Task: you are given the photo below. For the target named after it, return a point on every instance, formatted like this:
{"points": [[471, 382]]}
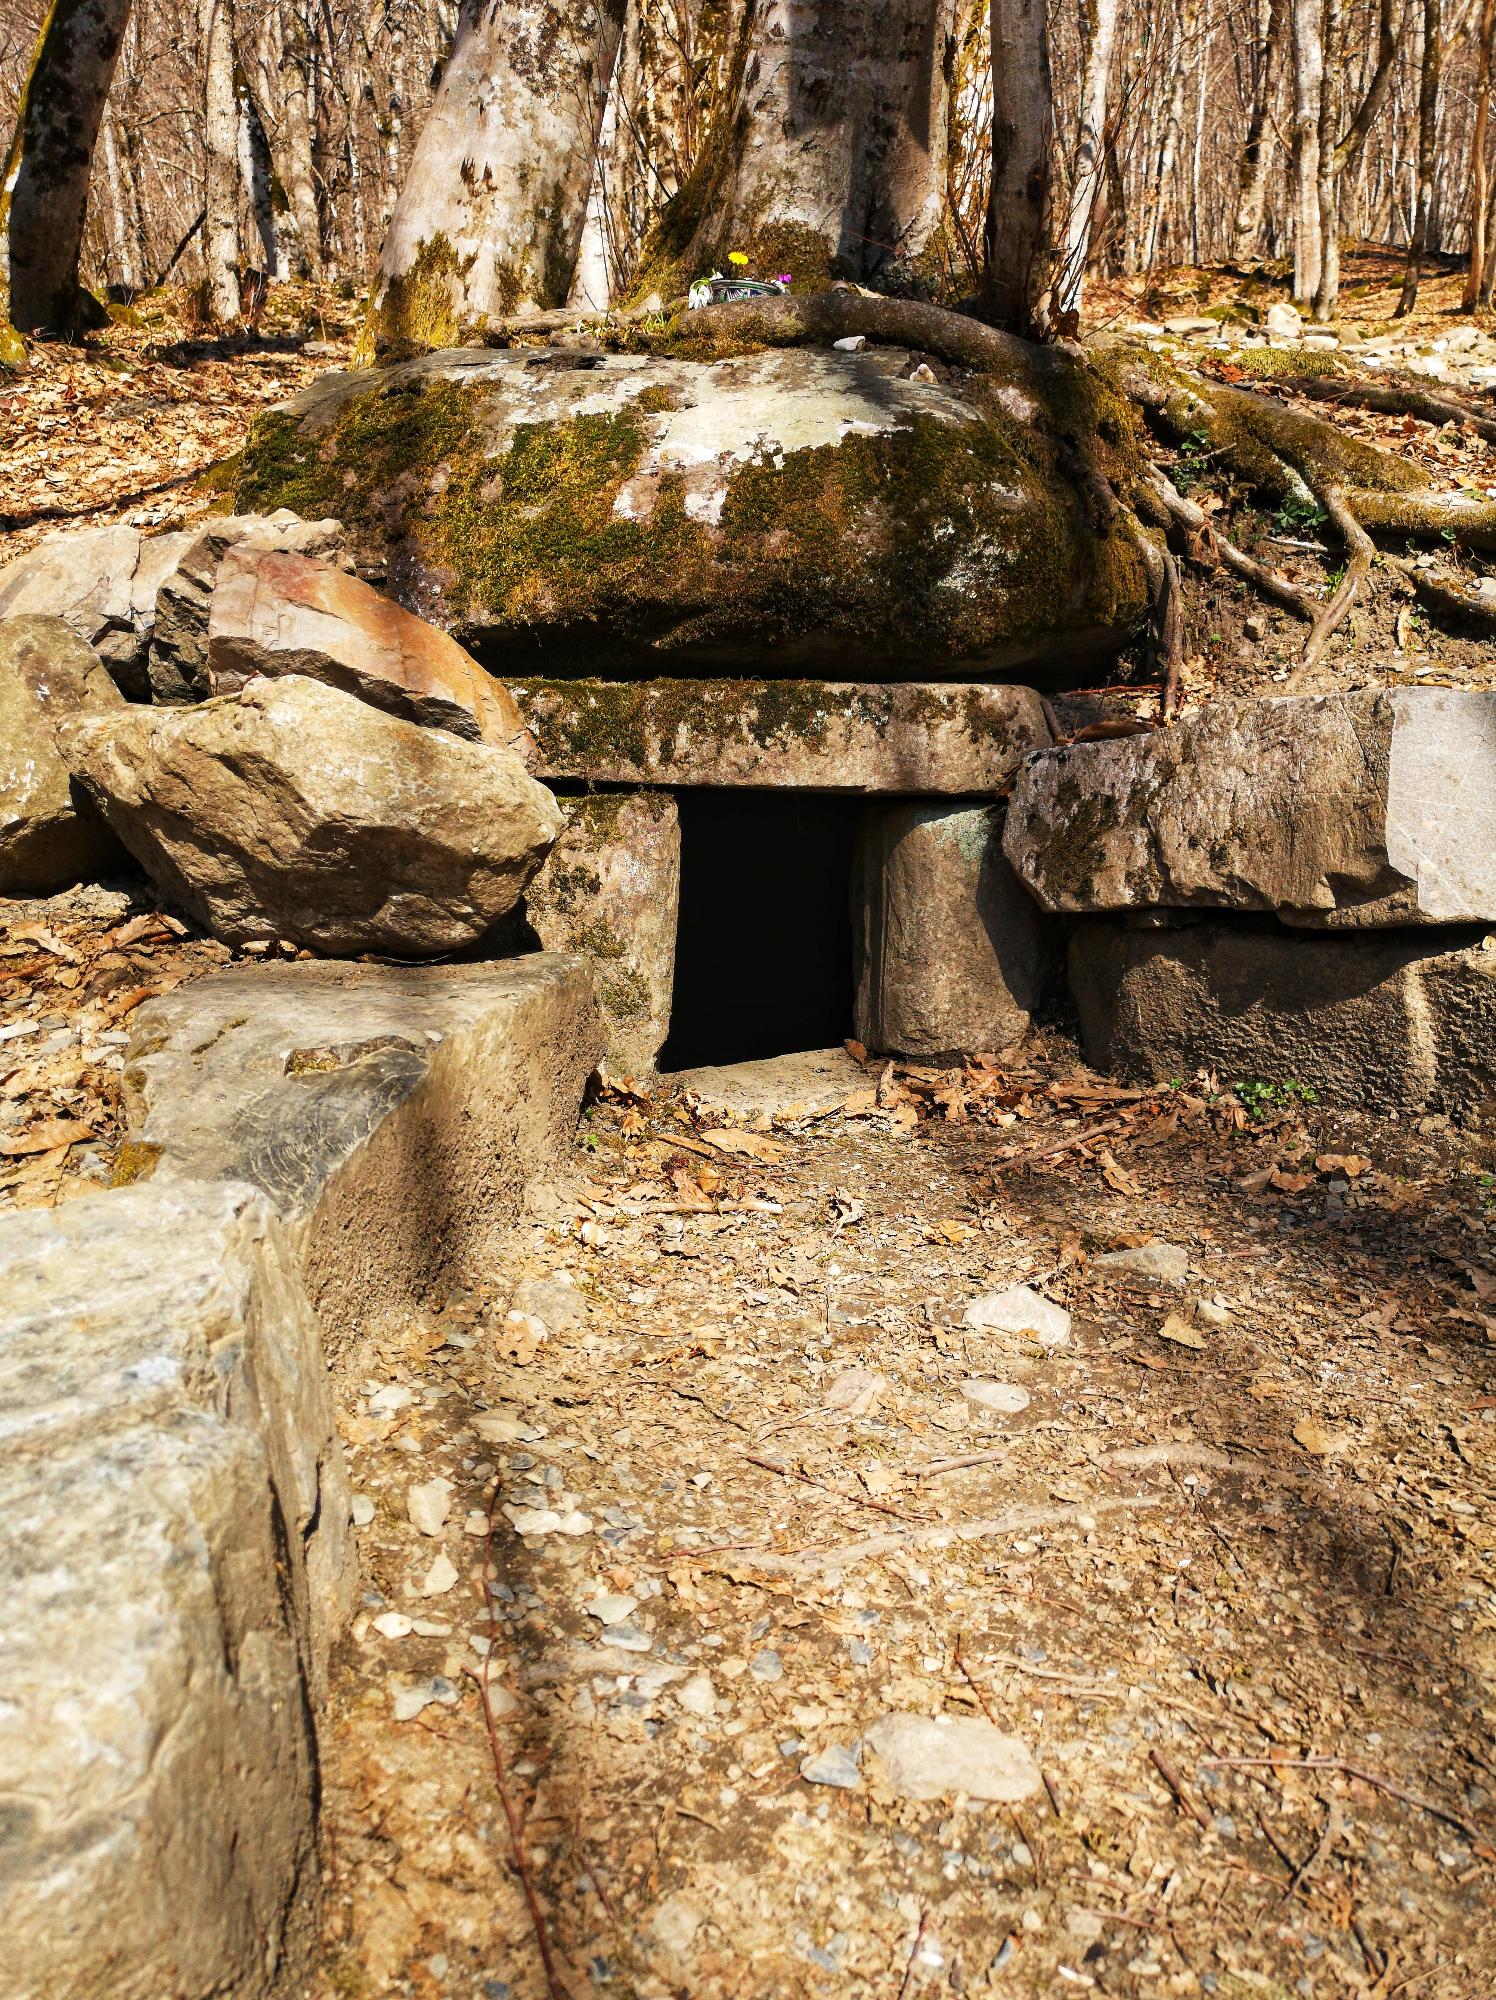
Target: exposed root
{"points": [[1395, 397], [1426, 516], [1168, 613], [1361, 557], [1210, 549], [1446, 594]]}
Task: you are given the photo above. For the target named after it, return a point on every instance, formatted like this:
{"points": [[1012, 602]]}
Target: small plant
{"points": [[1297, 512], [1257, 1097]]}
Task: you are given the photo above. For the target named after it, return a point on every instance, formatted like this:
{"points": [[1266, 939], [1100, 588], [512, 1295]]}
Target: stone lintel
{"points": [[900, 739]]}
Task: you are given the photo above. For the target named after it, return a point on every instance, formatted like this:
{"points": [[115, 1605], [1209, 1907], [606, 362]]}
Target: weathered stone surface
{"points": [[610, 889], [50, 837], [956, 739], [949, 953], [1342, 812], [103, 582], [935, 1757], [792, 1086], [1398, 1022], [796, 506], [279, 613], [392, 1114], [178, 659], [296, 811], [174, 1545]]}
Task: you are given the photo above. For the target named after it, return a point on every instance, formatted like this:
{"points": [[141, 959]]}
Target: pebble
{"points": [[835, 1766], [393, 1624], [851, 343], [395, 1396], [410, 1701], [766, 1666], [363, 1510], [441, 1576], [546, 1521], [1022, 1310], [496, 1429], [697, 1696], [1005, 1397], [1164, 1263], [611, 1609], [429, 1505], [932, 1758], [630, 1638]]}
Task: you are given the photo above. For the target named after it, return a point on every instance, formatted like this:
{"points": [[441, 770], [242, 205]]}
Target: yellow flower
{"points": [[736, 257]]}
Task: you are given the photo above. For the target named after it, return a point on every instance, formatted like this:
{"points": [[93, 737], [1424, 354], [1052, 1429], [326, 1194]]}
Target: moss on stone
{"points": [[136, 1161], [418, 309]]}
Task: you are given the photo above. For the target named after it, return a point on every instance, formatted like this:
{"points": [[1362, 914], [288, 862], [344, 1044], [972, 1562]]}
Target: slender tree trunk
{"points": [[1308, 93], [1087, 188], [1327, 291], [1480, 172], [1428, 124], [298, 118], [1021, 246], [1251, 185], [258, 176], [221, 162], [490, 217], [1168, 150], [126, 249], [44, 187]]}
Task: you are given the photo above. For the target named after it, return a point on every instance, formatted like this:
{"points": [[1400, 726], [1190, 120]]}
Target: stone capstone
{"points": [[1340, 812], [899, 738], [279, 613], [392, 1115], [50, 835], [1398, 1022], [295, 811], [101, 581], [178, 658], [949, 954], [610, 889], [798, 505], [174, 1545]]}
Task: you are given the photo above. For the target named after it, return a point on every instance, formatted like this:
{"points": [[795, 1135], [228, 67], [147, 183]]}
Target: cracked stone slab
{"points": [[174, 1546], [392, 1114], [935, 739], [1338, 812]]}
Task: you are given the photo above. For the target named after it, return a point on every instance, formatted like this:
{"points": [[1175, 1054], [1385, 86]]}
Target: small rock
{"points": [[393, 1624], [411, 1700], [611, 1609], [1211, 1314], [394, 1396], [363, 1510], [766, 1666], [441, 1576], [1163, 1263], [852, 343], [1255, 629], [1283, 321], [1021, 1310], [558, 1305], [674, 1924], [547, 1521], [1005, 1397], [630, 1638], [429, 1505], [697, 1696], [932, 1758], [496, 1429], [835, 1766]]}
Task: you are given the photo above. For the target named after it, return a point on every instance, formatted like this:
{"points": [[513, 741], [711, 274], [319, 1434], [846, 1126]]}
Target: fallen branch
{"points": [[1395, 397], [1441, 594]]}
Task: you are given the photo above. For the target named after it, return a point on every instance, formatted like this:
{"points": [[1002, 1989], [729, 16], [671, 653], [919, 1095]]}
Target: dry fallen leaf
{"points": [[1117, 1176], [1178, 1329], [1349, 1164], [43, 1138], [1314, 1437], [751, 1146]]}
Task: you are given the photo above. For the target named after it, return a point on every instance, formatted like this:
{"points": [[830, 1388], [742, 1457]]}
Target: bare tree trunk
{"points": [[1308, 93], [258, 176], [1168, 149], [221, 162], [491, 214], [44, 187], [1428, 122], [297, 169], [1090, 157], [126, 248], [1021, 246], [1251, 187], [1327, 291], [1480, 172]]}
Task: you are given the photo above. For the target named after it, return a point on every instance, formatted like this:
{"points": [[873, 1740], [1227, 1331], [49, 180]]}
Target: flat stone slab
{"points": [[910, 739], [935, 1757], [393, 1115], [1396, 1022], [175, 1553], [1341, 812], [807, 1084]]}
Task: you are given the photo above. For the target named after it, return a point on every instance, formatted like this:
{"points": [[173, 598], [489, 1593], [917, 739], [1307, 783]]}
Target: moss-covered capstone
{"points": [[789, 508]]}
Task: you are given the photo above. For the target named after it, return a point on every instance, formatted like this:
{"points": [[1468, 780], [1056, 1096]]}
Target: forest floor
{"points": [[761, 1496]]}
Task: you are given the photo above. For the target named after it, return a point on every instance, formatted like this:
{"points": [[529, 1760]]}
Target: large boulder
{"points": [[949, 953], [295, 811], [174, 1544], [791, 508], [1387, 1022], [178, 658], [103, 581], [278, 613], [1342, 812], [910, 739], [610, 889], [50, 836]]}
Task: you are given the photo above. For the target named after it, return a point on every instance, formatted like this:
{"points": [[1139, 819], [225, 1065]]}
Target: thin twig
{"points": [[1182, 1798], [1372, 1778], [919, 1938], [967, 1458], [856, 1499]]}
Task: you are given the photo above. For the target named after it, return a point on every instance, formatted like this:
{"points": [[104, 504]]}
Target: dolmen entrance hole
{"points": [[764, 951]]}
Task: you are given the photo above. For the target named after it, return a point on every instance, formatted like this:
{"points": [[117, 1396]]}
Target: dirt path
{"points": [[1266, 1535]]}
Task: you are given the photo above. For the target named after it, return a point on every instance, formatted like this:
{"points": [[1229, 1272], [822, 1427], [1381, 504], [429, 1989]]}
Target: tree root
{"points": [[1211, 550], [1358, 568], [1393, 397], [1168, 611], [1442, 593]]}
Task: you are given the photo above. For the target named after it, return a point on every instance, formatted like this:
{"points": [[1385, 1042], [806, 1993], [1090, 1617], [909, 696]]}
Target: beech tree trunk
{"points": [[1308, 93], [1251, 188], [490, 218], [1021, 245], [1428, 124], [1090, 157], [258, 176], [297, 159], [1480, 173], [44, 189], [221, 141], [827, 155]]}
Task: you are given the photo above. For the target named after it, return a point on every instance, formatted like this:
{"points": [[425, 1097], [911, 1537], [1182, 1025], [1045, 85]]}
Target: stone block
{"points": [[942, 739], [393, 1115], [50, 836], [103, 582], [1399, 1022], [949, 952], [174, 1544], [1341, 812], [610, 889]]}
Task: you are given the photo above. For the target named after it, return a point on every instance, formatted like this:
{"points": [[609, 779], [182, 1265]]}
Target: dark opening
{"points": [[764, 958]]}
